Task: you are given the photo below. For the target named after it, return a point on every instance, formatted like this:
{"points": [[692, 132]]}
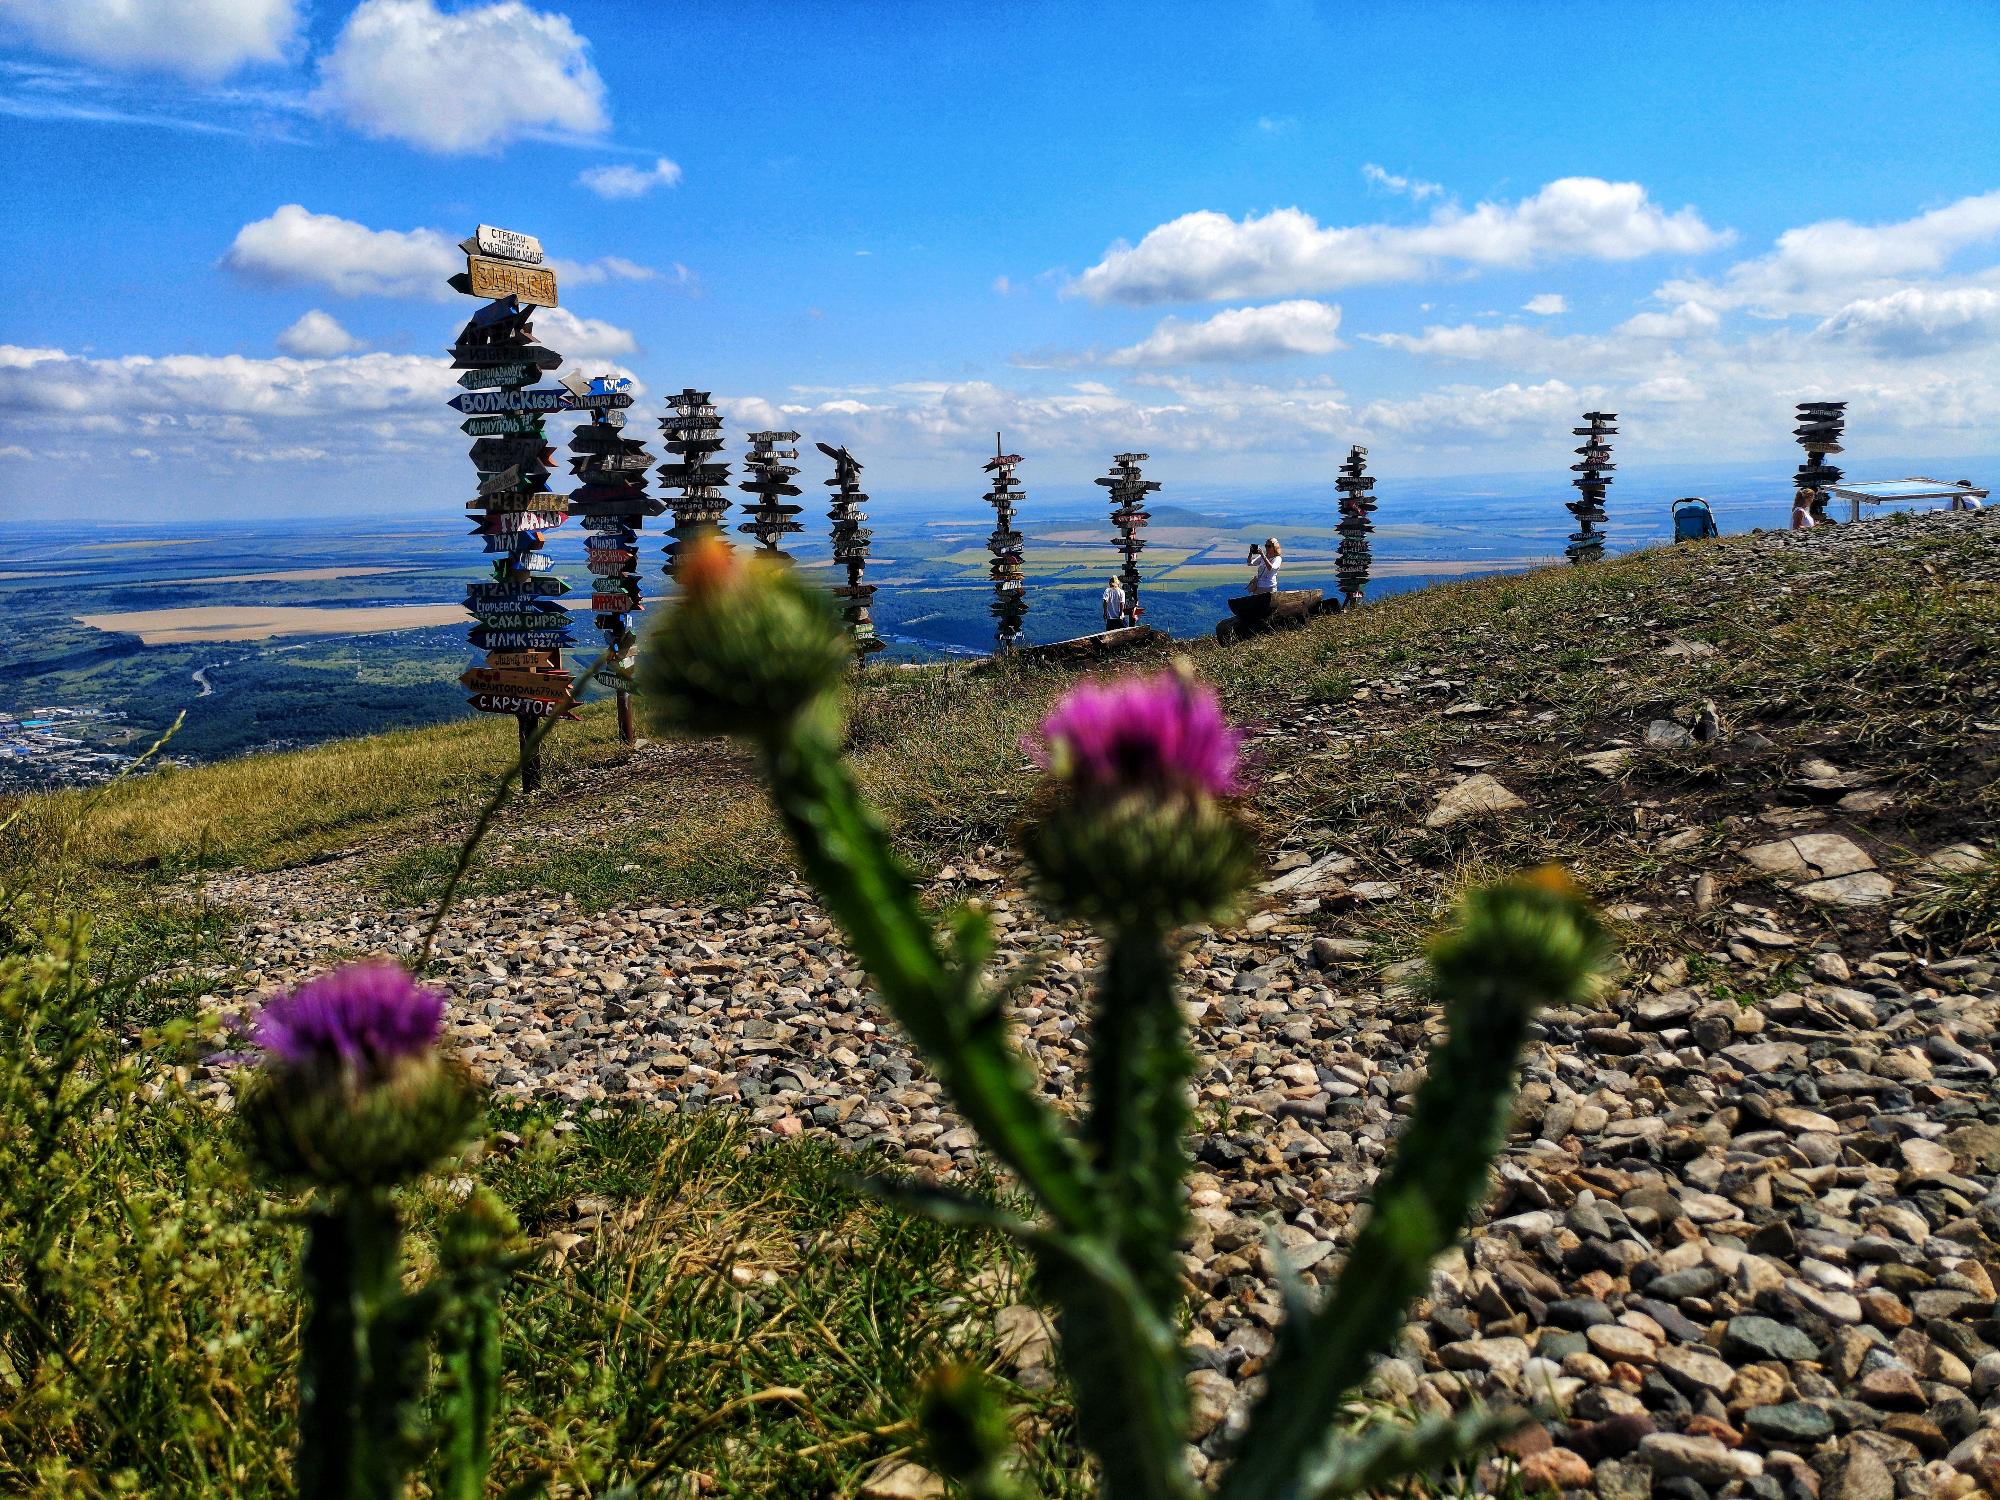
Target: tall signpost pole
{"points": [[1354, 557], [610, 472], [1821, 425], [693, 432], [848, 525], [1129, 489], [767, 476], [1593, 477], [519, 624], [1010, 601]]}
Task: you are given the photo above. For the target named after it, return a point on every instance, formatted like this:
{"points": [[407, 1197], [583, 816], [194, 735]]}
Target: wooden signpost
{"points": [[610, 472], [1821, 425], [693, 433], [768, 480], [1586, 543], [1354, 558], [1129, 489], [1010, 600], [517, 621], [850, 548]]}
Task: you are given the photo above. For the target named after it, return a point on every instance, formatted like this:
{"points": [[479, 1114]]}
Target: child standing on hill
{"points": [[1265, 562]]}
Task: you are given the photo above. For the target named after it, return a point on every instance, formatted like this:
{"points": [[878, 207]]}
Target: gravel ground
{"points": [[1743, 1248]]}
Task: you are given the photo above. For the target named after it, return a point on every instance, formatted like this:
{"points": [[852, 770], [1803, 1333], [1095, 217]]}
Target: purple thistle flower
{"points": [[367, 1015], [1158, 734]]}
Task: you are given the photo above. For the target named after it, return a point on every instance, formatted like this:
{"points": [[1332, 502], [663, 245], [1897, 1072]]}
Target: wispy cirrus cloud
{"points": [[620, 180]]}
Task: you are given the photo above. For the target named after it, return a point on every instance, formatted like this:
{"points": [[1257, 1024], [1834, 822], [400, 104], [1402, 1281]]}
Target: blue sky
{"points": [[1240, 237]]}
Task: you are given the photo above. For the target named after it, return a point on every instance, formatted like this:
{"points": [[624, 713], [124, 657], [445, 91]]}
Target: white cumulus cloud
{"points": [[1546, 304], [1688, 320], [625, 181], [582, 340], [202, 39], [465, 81], [1817, 268], [318, 335], [1238, 334], [1206, 256], [296, 247], [1920, 320]]}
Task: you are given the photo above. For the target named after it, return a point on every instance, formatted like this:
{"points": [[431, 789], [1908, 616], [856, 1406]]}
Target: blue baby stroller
{"points": [[1693, 520]]}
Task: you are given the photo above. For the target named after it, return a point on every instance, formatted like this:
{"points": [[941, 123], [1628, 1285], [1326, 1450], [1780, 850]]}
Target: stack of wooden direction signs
{"points": [[693, 433], [1821, 425], [521, 625], [850, 548], [1129, 489], [1010, 601], [768, 479], [609, 471], [1357, 503], [1586, 543]]}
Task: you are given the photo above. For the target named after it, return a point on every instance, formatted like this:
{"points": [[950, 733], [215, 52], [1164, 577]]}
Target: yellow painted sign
{"points": [[508, 278]]}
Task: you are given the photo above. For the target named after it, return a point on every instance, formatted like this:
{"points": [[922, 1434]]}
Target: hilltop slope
{"points": [[1750, 1206]]}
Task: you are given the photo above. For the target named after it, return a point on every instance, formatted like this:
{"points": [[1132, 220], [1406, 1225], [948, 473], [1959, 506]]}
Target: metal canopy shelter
{"points": [[1914, 490]]}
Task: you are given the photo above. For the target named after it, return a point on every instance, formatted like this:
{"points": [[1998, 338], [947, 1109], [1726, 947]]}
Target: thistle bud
{"points": [[1134, 831], [747, 647], [1521, 944], [351, 1091]]}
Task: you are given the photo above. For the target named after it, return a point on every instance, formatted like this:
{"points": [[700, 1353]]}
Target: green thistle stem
{"points": [[941, 1004], [352, 1256], [1137, 1129]]}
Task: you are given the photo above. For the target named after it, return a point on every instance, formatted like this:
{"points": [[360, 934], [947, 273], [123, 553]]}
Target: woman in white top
{"points": [[1265, 560], [1802, 516]]}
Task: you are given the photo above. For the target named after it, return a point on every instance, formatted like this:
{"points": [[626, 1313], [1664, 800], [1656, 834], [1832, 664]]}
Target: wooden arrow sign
{"points": [[504, 243], [614, 604], [499, 453], [540, 619], [468, 356], [596, 400], [496, 375], [613, 463], [536, 398], [502, 680], [515, 703], [501, 483], [498, 311], [519, 640], [489, 426], [525, 661], [487, 277]]}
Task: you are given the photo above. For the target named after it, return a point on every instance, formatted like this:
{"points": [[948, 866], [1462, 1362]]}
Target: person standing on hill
{"points": [[1802, 511], [1264, 563], [1114, 605]]}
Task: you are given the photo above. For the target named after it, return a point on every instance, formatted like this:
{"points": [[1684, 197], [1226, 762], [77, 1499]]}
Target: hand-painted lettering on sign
{"points": [[536, 398], [509, 278], [507, 244]]}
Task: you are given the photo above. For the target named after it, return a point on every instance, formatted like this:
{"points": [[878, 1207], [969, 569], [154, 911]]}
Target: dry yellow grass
{"points": [[291, 805]]}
